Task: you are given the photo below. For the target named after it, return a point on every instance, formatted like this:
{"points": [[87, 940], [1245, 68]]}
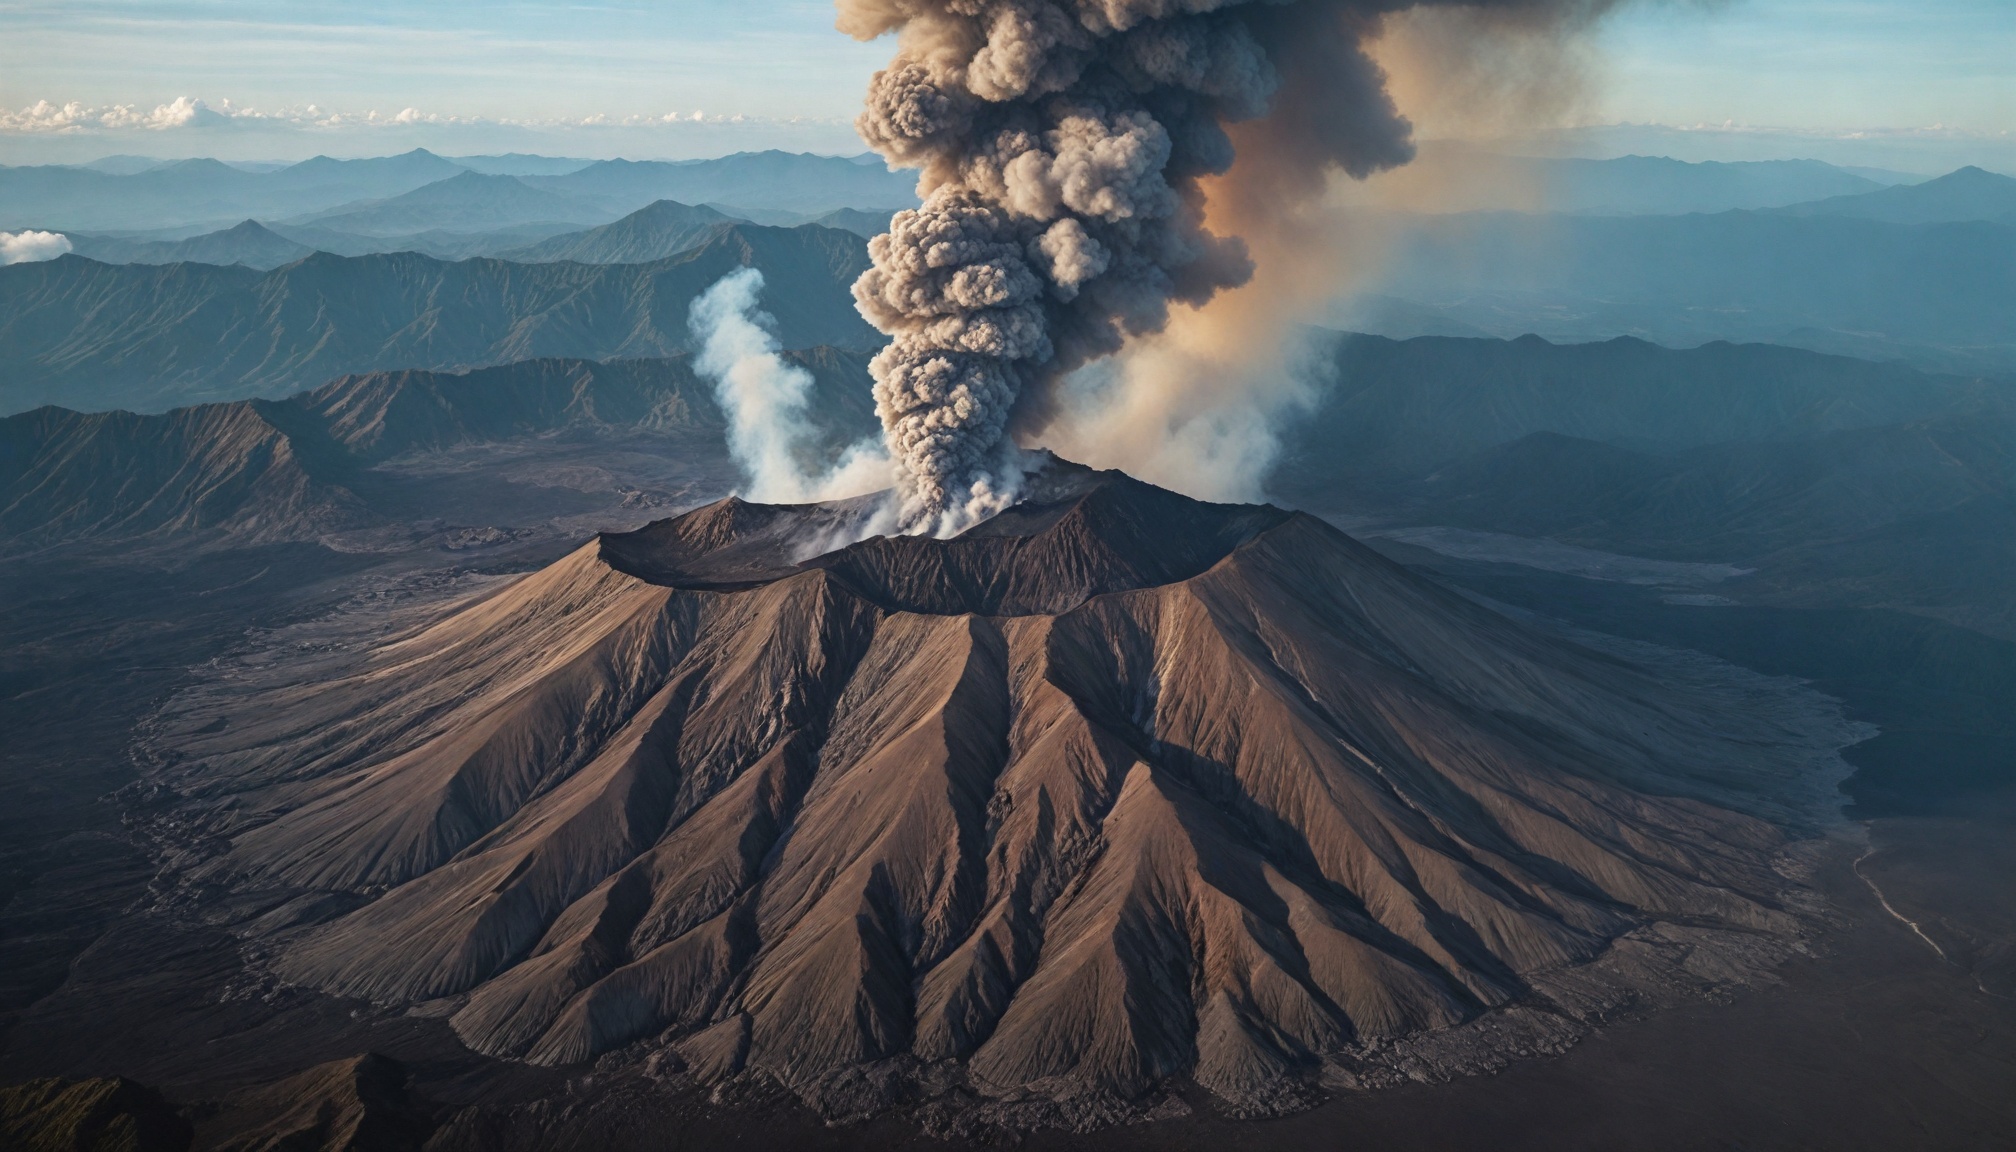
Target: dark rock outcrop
{"points": [[354, 1105], [111, 1114]]}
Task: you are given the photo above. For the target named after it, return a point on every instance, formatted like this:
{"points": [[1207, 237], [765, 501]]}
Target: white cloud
{"points": [[75, 117], [28, 247]]}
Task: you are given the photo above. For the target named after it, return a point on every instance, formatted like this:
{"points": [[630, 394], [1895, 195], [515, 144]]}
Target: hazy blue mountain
{"points": [[445, 244], [521, 164], [1734, 499], [122, 165], [261, 471], [1448, 177], [774, 217], [1842, 483], [1940, 295], [668, 226], [860, 221], [1966, 194], [172, 193], [466, 202], [130, 193], [1656, 185], [788, 181], [374, 176], [281, 243], [648, 234], [93, 336], [251, 244], [1398, 409], [1920, 515], [202, 191]]}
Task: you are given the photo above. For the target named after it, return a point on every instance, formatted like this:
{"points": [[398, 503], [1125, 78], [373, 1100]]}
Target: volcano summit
{"points": [[1114, 794]]}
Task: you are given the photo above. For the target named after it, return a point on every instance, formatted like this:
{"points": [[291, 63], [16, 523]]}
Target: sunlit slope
{"points": [[1121, 789]]}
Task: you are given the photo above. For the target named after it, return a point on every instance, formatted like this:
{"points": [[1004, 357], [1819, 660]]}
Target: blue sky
{"points": [[604, 78]]}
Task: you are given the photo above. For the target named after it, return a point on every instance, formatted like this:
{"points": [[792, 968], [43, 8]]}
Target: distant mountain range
{"points": [[467, 202], [1738, 499], [443, 243], [1457, 178], [136, 194], [250, 243], [1400, 409], [1940, 295], [95, 336], [1841, 483], [260, 471], [1966, 194], [650, 233], [862, 222], [370, 196], [198, 191], [1919, 516], [785, 181]]}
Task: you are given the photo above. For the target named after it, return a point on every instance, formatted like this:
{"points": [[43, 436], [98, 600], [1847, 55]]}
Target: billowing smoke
{"points": [[1079, 180], [28, 247], [765, 399]]}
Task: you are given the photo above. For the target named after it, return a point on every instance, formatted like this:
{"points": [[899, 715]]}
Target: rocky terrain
{"points": [[486, 451], [178, 558], [151, 337], [1115, 791]]}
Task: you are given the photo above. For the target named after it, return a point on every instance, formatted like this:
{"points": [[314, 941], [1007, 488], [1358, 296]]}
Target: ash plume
{"points": [[1072, 153]]}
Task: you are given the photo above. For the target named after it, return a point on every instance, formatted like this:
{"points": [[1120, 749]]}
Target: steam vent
{"points": [[1115, 797]]}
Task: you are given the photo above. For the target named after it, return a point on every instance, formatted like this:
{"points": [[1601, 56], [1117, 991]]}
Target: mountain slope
{"points": [[1964, 194], [1121, 789], [1732, 501], [663, 229], [1933, 294], [1450, 177], [89, 335], [442, 244], [867, 224], [1919, 516], [260, 470], [114, 473], [250, 243], [780, 180], [466, 202], [1399, 408], [201, 191]]}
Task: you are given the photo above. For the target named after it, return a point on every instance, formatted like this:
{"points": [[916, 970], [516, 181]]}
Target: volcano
{"points": [[1115, 794]]}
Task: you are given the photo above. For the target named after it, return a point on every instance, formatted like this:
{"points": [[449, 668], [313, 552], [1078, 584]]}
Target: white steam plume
{"points": [[29, 247], [765, 399]]}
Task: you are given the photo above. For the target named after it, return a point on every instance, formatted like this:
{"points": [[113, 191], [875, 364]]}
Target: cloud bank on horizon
{"points": [[30, 247]]}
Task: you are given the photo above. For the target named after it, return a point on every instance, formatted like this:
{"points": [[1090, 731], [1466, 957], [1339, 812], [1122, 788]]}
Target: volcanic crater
{"points": [[1116, 795]]}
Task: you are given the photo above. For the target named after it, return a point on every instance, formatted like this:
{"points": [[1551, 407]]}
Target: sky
{"points": [[284, 79]]}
